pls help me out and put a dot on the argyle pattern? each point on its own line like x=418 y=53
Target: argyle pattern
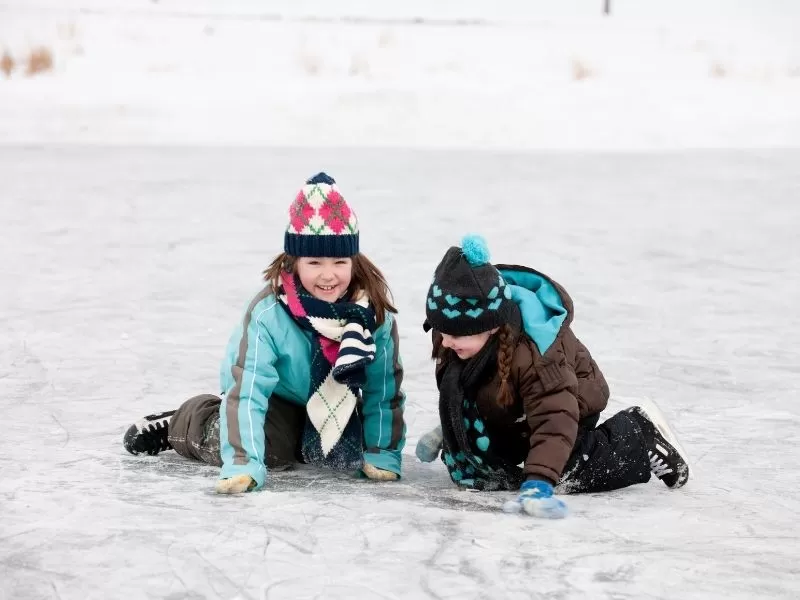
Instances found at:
x=321 y=222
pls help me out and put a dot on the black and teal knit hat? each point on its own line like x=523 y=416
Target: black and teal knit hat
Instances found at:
x=468 y=295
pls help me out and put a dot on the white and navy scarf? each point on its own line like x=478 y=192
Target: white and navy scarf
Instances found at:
x=343 y=346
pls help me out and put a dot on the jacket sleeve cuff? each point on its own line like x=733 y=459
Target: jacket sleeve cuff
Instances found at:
x=538 y=477
x=257 y=471
x=388 y=460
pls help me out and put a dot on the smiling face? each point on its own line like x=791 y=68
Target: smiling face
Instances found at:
x=467 y=346
x=325 y=278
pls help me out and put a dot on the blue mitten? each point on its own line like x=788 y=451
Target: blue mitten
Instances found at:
x=429 y=445
x=536 y=499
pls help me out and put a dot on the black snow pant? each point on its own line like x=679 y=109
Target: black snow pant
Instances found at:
x=194 y=431
x=608 y=457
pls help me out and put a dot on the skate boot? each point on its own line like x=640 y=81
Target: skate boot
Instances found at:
x=149 y=435
x=668 y=460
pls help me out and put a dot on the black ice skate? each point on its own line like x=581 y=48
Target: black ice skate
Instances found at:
x=668 y=460
x=149 y=435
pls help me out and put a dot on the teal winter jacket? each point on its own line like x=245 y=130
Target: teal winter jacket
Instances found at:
x=268 y=353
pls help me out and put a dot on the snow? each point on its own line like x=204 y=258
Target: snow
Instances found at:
x=504 y=75
x=143 y=188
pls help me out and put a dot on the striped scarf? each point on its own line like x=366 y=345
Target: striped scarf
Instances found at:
x=342 y=348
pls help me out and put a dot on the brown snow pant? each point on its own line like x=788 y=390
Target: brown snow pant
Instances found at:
x=194 y=431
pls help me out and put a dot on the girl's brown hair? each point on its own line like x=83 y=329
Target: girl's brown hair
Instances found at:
x=366 y=277
x=505 y=354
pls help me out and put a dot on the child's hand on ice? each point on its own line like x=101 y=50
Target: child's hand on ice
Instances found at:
x=536 y=499
x=379 y=474
x=235 y=485
x=429 y=445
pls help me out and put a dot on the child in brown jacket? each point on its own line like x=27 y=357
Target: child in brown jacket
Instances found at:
x=516 y=387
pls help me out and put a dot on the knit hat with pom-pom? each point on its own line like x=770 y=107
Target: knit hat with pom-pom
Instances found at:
x=468 y=295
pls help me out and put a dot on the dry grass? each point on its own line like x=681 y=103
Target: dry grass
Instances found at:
x=310 y=62
x=386 y=38
x=67 y=31
x=717 y=70
x=359 y=65
x=7 y=63
x=40 y=60
x=580 y=70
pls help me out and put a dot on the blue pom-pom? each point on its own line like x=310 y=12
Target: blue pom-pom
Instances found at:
x=475 y=250
x=321 y=178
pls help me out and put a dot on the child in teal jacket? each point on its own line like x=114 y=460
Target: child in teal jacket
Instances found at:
x=312 y=374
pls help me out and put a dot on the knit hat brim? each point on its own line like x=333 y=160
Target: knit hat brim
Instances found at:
x=319 y=246
x=465 y=326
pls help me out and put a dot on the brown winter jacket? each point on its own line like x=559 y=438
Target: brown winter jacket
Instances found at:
x=552 y=393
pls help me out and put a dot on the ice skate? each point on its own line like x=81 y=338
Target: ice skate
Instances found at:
x=149 y=436
x=668 y=460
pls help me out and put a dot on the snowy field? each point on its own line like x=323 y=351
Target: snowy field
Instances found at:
x=506 y=74
x=124 y=270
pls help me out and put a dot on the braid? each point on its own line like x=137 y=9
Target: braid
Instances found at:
x=505 y=352
x=438 y=351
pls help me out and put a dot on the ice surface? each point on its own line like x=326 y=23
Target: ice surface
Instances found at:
x=124 y=270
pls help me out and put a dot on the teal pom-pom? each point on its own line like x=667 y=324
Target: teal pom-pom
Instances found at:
x=475 y=250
